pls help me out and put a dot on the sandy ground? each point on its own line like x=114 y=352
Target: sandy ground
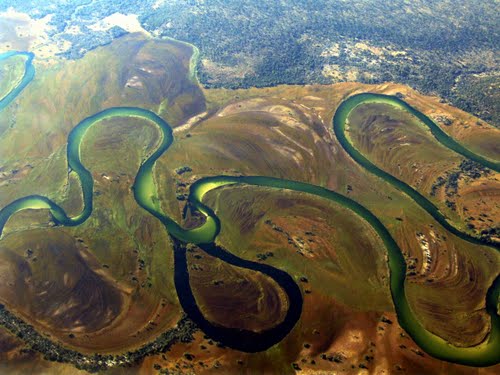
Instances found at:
x=18 y=31
x=127 y=22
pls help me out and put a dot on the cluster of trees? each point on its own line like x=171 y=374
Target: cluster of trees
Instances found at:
x=283 y=41
x=53 y=351
x=86 y=41
x=467 y=168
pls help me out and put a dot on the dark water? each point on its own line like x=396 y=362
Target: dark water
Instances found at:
x=145 y=194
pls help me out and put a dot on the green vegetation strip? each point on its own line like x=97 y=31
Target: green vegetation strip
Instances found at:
x=29 y=74
x=486 y=353
x=341 y=120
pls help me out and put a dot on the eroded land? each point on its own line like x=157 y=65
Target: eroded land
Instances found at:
x=107 y=285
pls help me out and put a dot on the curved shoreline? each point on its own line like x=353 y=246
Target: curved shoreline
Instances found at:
x=29 y=74
x=144 y=189
x=484 y=354
x=468 y=356
x=339 y=123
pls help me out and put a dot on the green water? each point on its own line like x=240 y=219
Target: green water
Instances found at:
x=339 y=123
x=29 y=73
x=145 y=193
x=342 y=115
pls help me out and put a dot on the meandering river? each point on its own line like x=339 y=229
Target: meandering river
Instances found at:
x=145 y=193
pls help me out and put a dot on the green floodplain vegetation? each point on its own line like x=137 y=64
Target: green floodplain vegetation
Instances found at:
x=118 y=244
x=122 y=236
x=405 y=148
x=11 y=73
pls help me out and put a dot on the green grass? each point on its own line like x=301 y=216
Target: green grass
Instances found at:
x=11 y=73
x=401 y=145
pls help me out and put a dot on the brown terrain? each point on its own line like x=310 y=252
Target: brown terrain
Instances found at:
x=107 y=286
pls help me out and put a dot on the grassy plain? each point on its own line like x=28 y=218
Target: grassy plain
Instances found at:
x=404 y=147
x=110 y=280
x=121 y=259
x=11 y=72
